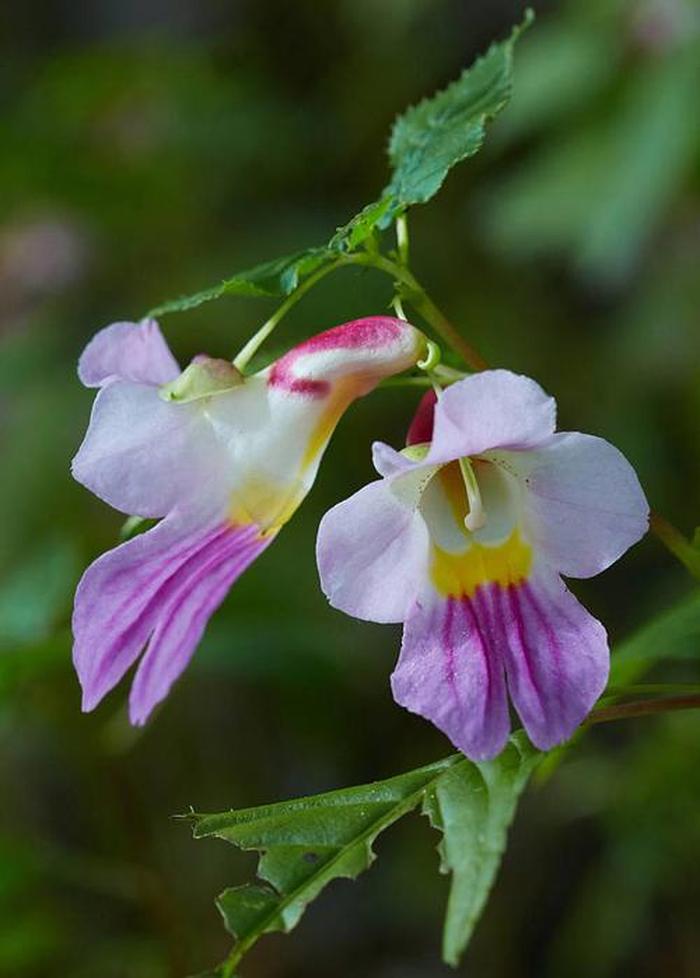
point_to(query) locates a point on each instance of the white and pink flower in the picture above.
(464, 539)
(222, 461)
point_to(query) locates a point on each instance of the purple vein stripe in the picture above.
(187, 606)
(140, 590)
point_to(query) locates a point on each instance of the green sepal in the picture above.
(204, 377)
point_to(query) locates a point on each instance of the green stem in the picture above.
(657, 689)
(406, 382)
(676, 543)
(243, 358)
(414, 293)
(411, 289)
(402, 243)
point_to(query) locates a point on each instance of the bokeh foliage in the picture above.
(149, 151)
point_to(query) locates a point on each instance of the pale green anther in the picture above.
(476, 517)
(202, 378)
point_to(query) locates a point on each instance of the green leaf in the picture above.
(361, 227)
(426, 142)
(673, 634)
(431, 137)
(473, 805)
(279, 277)
(307, 842)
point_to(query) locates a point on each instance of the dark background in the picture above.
(148, 149)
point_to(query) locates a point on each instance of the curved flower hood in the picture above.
(223, 461)
(464, 539)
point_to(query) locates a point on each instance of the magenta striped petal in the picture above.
(187, 603)
(457, 654)
(555, 653)
(450, 672)
(134, 591)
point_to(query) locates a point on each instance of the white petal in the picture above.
(372, 551)
(128, 351)
(583, 506)
(492, 409)
(145, 456)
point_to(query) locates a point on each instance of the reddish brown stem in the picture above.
(640, 708)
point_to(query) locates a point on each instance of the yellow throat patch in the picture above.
(457, 575)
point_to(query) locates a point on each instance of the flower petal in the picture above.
(140, 589)
(387, 461)
(187, 604)
(116, 602)
(128, 351)
(364, 350)
(556, 656)
(491, 409)
(143, 455)
(372, 551)
(451, 673)
(583, 504)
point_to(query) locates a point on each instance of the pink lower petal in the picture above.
(556, 656)
(122, 596)
(451, 673)
(192, 597)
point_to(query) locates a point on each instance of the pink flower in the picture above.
(224, 461)
(464, 539)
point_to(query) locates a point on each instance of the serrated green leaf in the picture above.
(362, 225)
(431, 137)
(246, 908)
(673, 634)
(473, 805)
(307, 842)
(426, 142)
(278, 277)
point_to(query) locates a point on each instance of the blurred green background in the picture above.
(149, 148)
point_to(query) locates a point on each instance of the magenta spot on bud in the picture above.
(370, 333)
